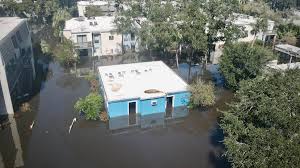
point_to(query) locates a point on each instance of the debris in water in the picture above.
(31, 126)
(25, 107)
(104, 116)
(74, 120)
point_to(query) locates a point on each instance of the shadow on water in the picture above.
(192, 139)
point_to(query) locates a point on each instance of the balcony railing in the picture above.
(83, 45)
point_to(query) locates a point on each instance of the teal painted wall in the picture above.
(181, 99)
(146, 108)
(117, 109)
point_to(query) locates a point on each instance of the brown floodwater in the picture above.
(192, 141)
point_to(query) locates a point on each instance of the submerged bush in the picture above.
(91, 106)
(202, 94)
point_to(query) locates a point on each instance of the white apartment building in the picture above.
(104, 5)
(98, 36)
(17, 70)
(247, 23)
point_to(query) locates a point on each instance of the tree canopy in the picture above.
(262, 125)
(241, 62)
(167, 25)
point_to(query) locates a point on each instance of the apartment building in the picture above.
(17, 70)
(98, 36)
(246, 22)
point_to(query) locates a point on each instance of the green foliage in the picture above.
(93, 11)
(45, 47)
(39, 12)
(65, 53)
(195, 24)
(262, 125)
(202, 94)
(91, 106)
(242, 62)
(58, 21)
(285, 29)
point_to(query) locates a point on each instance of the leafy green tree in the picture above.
(242, 62)
(202, 94)
(45, 47)
(65, 53)
(91, 106)
(262, 125)
(220, 16)
(58, 21)
(93, 11)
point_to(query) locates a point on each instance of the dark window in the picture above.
(111, 37)
(132, 36)
(19, 36)
(14, 41)
(81, 39)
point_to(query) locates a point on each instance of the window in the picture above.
(14, 41)
(91, 23)
(111, 37)
(81, 39)
(153, 103)
(132, 36)
(19, 36)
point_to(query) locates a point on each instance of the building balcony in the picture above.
(83, 45)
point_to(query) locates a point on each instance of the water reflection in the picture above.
(148, 121)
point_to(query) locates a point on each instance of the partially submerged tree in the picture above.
(91, 106)
(58, 21)
(242, 62)
(202, 94)
(262, 125)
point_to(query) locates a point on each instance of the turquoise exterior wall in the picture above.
(117, 109)
(144, 107)
(181, 99)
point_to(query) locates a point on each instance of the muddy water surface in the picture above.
(193, 141)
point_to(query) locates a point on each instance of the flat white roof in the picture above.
(130, 81)
(8, 24)
(83, 24)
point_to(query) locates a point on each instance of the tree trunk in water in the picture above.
(190, 65)
(177, 62)
(253, 41)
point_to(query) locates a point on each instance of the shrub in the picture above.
(202, 94)
(91, 106)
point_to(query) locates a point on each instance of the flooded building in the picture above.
(17, 70)
(98, 36)
(141, 89)
(247, 23)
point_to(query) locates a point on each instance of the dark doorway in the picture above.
(169, 106)
(132, 113)
(83, 52)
